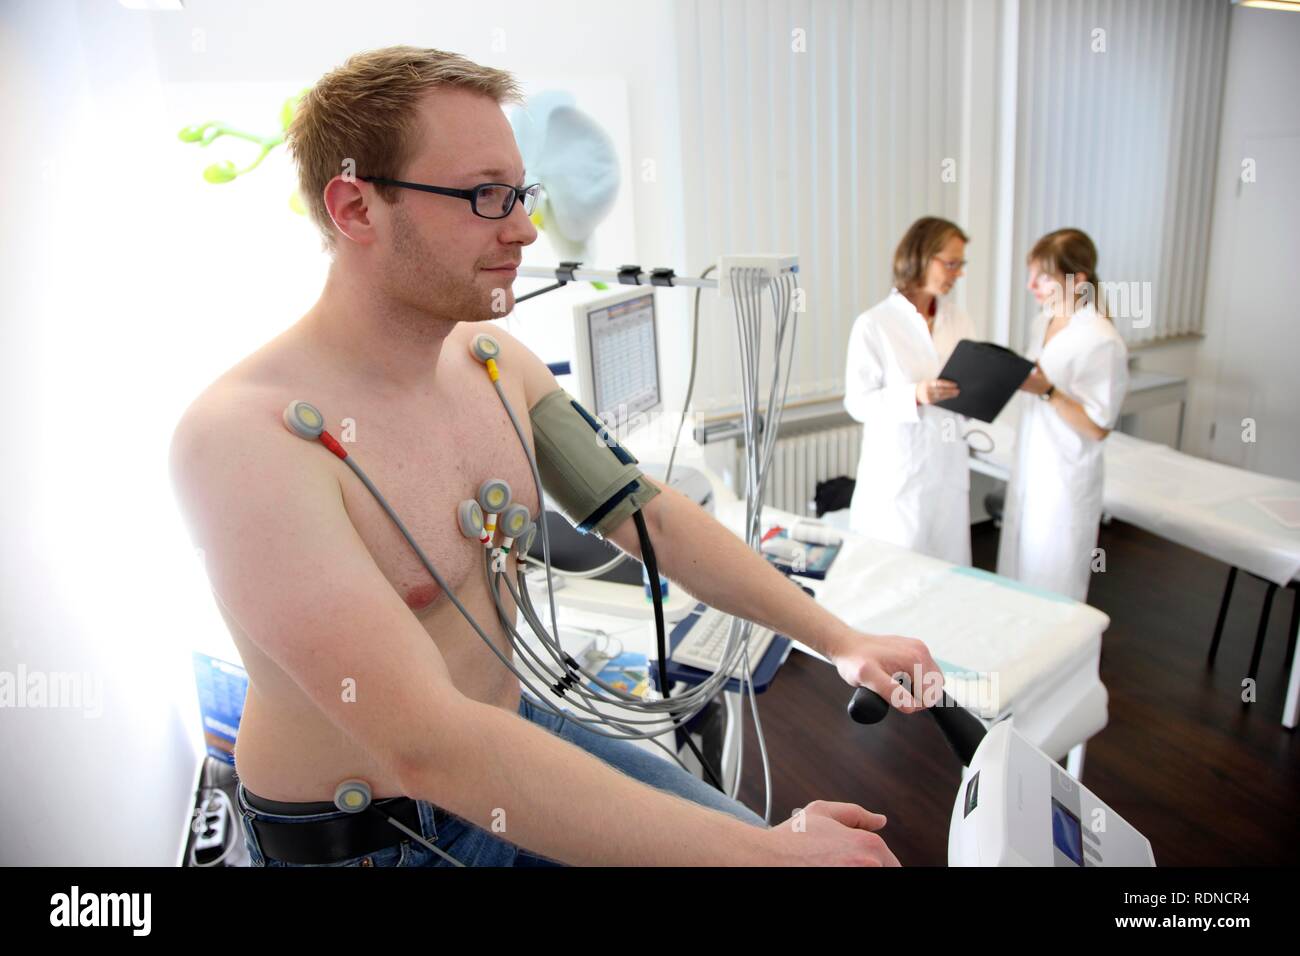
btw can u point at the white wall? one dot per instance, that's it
(85, 486)
(1246, 366)
(1243, 365)
(128, 283)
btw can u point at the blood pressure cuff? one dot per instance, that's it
(584, 469)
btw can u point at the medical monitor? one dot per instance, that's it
(616, 355)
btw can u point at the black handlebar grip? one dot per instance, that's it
(962, 729)
(868, 707)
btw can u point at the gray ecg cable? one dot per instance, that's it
(298, 411)
(354, 796)
(585, 693)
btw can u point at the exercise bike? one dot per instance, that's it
(1016, 806)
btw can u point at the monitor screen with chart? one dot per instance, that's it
(617, 362)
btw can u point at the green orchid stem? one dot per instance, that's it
(266, 142)
(254, 164)
(209, 132)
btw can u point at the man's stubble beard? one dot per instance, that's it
(421, 282)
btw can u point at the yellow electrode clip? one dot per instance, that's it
(486, 349)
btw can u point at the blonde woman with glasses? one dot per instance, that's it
(913, 478)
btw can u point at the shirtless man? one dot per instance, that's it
(318, 587)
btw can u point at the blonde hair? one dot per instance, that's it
(921, 243)
(366, 111)
(1068, 252)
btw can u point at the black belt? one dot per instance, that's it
(341, 838)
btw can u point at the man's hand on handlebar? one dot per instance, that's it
(872, 660)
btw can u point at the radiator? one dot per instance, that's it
(801, 461)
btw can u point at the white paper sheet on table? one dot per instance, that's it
(1285, 511)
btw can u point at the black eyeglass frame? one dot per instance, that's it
(470, 195)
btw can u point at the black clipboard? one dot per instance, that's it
(987, 374)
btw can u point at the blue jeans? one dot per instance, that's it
(473, 845)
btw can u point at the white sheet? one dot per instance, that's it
(1203, 505)
(1216, 509)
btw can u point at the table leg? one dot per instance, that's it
(1291, 709)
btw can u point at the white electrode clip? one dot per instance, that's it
(304, 420)
(493, 497)
(514, 522)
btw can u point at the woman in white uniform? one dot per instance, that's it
(1053, 507)
(913, 479)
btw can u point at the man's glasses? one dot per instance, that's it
(488, 200)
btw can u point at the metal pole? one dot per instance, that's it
(613, 276)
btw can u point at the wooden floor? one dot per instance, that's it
(1208, 780)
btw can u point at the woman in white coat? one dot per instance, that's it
(913, 477)
(1053, 506)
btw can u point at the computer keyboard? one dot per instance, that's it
(706, 640)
